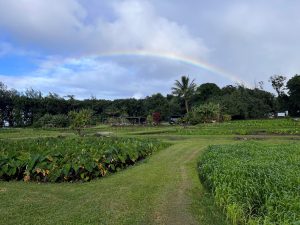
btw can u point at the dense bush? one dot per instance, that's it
(49, 120)
(205, 113)
(70, 159)
(255, 183)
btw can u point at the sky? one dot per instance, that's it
(112, 49)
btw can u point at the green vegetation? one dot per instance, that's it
(70, 159)
(248, 127)
(48, 120)
(255, 183)
(32, 108)
(163, 189)
(205, 113)
(185, 89)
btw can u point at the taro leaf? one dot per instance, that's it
(89, 167)
(4, 168)
(76, 168)
(50, 158)
(54, 175)
(82, 175)
(66, 169)
(121, 158)
(33, 161)
(112, 166)
(11, 171)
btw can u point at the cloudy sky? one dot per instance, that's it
(133, 48)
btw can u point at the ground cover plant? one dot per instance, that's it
(255, 183)
(246, 127)
(70, 159)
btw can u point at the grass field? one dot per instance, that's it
(163, 189)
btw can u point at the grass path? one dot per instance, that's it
(165, 189)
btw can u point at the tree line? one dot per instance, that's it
(31, 108)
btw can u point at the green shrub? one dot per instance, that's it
(49, 120)
(226, 118)
(60, 120)
(205, 113)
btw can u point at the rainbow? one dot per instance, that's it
(180, 58)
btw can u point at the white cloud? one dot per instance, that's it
(84, 77)
(41, 22)
(61, 32)
(62, 27)
(138, 27)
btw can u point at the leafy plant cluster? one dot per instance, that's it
(48, 120)
(242, 127)
(70, 159)
(205, 113)
(255, 183)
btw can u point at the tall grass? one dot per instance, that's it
(254, 183)
(244, 127)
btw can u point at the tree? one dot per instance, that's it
(244, 103)
(293, 86)
(185, 89)
(79, 120)
(157, 103)
(205, 113)
(206, 91)
(277, 82)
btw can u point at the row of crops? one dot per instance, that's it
(244, 127)
(254, 183)
(70, 159)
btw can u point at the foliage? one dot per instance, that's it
(184, 88)
(206, 91)
(248, 127)
(293, 86)
(226, 118)
(25, 109)
(149, 120)
(70, 159)
(156, 118)
(255, 183)
(48, 120)
(79, 120)
(244, 103)
(205, 113)
(157, 103)
(277, 82)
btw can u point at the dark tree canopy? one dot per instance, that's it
(206, 91)
(32, 108)
(293, 86)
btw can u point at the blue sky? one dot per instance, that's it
(71, 46)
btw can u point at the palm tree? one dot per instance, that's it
(184, 89)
